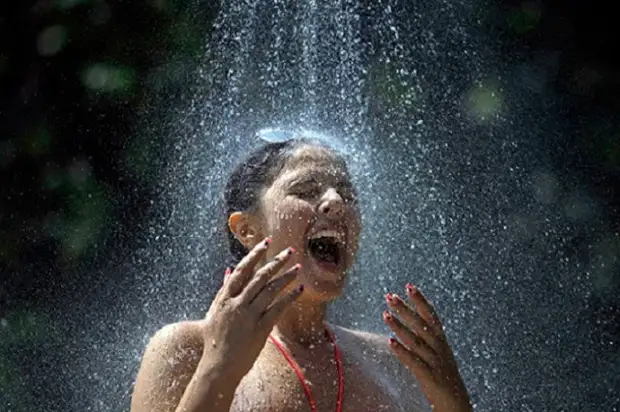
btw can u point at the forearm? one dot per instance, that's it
(211, 389)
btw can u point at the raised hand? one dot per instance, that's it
(246, 308)
(422, 347)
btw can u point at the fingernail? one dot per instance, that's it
(267, 241)
(392, 341)
(411, 288)
(297, 266)
(387, 315)
(391, 298)
(227, 272)
(291, 251)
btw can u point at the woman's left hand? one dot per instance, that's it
(422, 347)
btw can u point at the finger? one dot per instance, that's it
(413, 320)
(271, 315)
(410, 340)
(239, 277)
(219, 294)
(413, 362)
(267, 294)
(263, 275)
(425, 309)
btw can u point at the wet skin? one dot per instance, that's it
(312, 193)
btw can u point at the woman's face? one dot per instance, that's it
(311, 207)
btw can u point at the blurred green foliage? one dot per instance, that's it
(78, 78)
(524, 17)
(81, 73)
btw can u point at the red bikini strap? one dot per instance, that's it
(297, 370)
(340, 370)
(302, 378)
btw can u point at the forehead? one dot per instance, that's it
(314, 160)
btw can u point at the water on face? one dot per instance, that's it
(457, 196)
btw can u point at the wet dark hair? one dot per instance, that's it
(258, 171)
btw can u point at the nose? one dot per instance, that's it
(332, 204)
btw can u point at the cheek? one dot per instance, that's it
(291, 217)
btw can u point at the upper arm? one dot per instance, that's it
(169, 362)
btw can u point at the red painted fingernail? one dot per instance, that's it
(388, 297)
(387, 315)
(291, 251)
(392, 341)
(297, 266)
(267, 241)
(227, 272)
(411, 288)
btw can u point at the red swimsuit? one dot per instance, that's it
(302, 378)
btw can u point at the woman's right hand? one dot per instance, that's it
(246, 308)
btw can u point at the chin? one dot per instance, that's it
(323, 282)
(319, 293)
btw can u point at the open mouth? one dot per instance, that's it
(327, 247)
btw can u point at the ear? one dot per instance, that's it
(245, 229)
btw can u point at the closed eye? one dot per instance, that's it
(307, 192)
(314, 190)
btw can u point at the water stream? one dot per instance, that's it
(458, 195)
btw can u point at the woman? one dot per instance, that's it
(294, 225)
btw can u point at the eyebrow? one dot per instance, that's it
(341, 181)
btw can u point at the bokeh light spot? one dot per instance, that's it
(484, 102)
(51, 40)
(79, 171)
(108, 78)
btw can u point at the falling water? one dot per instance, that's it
(458, 196)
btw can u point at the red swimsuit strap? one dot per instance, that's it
(302, 378)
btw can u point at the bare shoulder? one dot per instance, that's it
(184, 334)
(168, 364)
(182, 342)
(372, 349)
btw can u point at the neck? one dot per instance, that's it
(302, 323)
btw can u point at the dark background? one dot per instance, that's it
(81, 81)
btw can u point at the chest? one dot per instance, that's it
(273, 385)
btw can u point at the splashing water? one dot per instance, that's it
(458, 195)
(276, 135)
